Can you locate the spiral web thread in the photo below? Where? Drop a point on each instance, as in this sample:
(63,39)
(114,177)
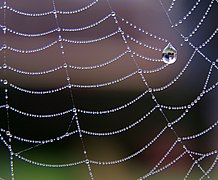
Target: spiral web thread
(7,136)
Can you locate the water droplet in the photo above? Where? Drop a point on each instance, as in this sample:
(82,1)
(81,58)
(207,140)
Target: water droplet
(8,133)
(186,39)
(4,66)
(179,139)
(68,78)
(139,71)
(55,14)
(169,54)
(5,82)
(65,65)
(169,124)
(7,106)
(59,29)
(4,29)
(113,14)
(59,38)
(4,46)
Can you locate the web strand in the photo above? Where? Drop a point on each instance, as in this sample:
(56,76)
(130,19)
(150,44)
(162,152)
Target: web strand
(196,162)
(9,146)
(75,116)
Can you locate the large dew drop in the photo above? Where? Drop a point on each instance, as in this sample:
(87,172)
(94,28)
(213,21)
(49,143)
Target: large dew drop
(169,54)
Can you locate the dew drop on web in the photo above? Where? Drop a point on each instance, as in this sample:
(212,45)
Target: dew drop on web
(169,54)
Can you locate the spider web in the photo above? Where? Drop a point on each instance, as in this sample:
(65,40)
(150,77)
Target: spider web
(86,95)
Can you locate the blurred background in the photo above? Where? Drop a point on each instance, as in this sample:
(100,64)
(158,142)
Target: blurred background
(145,14)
